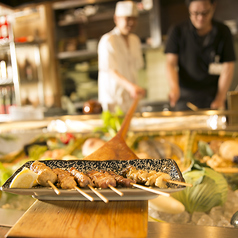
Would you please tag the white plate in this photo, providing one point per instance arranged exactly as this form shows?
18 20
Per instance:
44 193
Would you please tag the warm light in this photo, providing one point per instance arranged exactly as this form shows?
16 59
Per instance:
58 126
86 109
212 122
215 121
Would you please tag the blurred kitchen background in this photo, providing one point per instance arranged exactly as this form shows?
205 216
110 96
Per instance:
48 52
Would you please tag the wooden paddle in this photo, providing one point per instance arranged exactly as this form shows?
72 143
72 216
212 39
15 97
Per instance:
116 148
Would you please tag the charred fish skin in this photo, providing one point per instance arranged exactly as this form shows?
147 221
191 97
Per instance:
82 179
65 179
101 180
121 181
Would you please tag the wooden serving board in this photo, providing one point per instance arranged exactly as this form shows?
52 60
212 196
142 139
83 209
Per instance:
83 219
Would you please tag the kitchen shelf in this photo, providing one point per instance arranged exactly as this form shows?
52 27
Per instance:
71 4
30 43
4 44
6 81
108 15
77 54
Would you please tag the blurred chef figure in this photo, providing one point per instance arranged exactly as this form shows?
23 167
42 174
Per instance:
119 59
199 59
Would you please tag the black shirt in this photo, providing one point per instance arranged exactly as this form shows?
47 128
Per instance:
195 53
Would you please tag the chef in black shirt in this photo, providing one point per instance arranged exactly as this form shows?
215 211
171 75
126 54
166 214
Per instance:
199 59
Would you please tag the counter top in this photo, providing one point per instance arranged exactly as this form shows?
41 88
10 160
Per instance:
169 230
98 219
166 120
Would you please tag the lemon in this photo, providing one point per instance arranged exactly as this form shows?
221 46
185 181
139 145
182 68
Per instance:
24 179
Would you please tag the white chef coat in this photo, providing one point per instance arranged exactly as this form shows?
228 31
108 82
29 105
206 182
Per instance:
114 54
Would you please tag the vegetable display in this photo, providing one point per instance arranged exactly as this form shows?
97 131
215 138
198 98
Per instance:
111 122
209 190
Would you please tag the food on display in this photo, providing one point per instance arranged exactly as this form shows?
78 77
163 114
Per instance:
24 179
219 153
102 179
209 190
69 179
65 179
151 178
91 145
163 144
229 150
166 204
121 181
45 174
82 179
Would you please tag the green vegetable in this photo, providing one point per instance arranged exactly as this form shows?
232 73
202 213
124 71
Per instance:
209 190
111 122
36 151
5 173
205 149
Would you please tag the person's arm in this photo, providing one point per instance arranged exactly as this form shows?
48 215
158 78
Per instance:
172 75
224 83
133 89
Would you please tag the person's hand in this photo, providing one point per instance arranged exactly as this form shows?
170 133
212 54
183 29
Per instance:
174 95
137 91
218 104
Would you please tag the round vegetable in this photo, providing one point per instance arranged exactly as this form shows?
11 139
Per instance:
166 204
229 149
91 145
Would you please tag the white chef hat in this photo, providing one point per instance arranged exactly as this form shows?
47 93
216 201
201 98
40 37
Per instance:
126 9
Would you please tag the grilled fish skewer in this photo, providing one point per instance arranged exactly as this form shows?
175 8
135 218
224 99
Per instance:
151 178
46 177
121 181
66 181
101 180
124 182
84 180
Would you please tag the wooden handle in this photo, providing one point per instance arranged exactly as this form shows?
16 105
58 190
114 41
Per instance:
126 123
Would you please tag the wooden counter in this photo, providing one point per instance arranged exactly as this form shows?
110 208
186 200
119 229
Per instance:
169 230
83 219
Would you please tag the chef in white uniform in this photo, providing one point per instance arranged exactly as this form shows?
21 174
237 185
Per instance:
119 59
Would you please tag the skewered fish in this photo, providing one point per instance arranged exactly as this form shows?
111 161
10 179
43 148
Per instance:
82 179
121 181
101 180
151 178
65 179
159 149
45 173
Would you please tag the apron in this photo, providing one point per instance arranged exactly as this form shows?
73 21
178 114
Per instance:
200 98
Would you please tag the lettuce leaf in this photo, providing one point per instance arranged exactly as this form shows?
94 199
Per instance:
209 190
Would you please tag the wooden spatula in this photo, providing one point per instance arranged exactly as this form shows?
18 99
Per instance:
116 148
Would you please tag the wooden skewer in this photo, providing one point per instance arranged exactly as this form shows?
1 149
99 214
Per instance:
177 182
116 190
150 190
227 170
84 194
98 194
54 188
